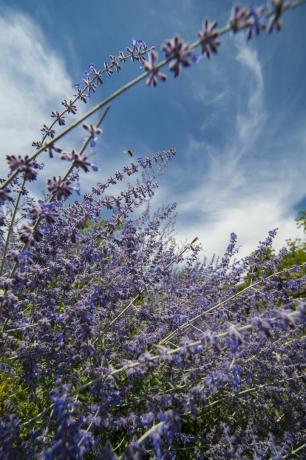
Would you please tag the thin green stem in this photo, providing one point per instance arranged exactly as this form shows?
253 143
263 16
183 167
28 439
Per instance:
295 451
38 416
10 229
149 432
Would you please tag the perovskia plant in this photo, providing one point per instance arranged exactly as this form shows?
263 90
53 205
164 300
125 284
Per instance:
109 348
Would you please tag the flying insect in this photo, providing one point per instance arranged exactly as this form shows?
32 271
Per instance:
129 152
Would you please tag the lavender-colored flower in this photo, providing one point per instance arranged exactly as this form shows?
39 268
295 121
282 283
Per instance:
93 130
179 53
51 149
27 234
89 85
108 69
239 18
10 440
44 211
37 144
200 360
14 162
278 7
235 339
209 38
150 66
138 51
255 22
107 453
59 187
81 95
97 74
23 164
48 132
60 119
115 63
80 161
70 106
247 18
5 196
2 219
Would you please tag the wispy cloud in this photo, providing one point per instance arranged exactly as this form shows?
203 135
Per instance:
243 187
33 78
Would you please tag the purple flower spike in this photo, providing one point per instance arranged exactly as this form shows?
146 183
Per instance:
180 53
69 106
97 75
149 66
115 63
59 118
89 85
92 129
59 187
255 23
275 23
51 149
22 164
5 196
80 95
37 144
247 18
27 234
208 36
107 68
239 18
80 161
48 132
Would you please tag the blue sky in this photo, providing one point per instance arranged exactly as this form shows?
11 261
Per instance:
236 121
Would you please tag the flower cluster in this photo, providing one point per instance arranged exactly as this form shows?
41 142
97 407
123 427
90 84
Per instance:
209 38
154 72
22 164
156 347
180 54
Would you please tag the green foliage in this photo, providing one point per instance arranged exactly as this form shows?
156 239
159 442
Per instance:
296 253
301 220
296 248
15 394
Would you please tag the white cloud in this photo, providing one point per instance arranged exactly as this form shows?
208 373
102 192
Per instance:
33 81
250 122
251 220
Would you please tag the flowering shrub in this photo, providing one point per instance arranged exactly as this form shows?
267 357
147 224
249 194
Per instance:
115 343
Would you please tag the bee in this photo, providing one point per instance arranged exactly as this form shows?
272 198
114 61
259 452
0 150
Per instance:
129 152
